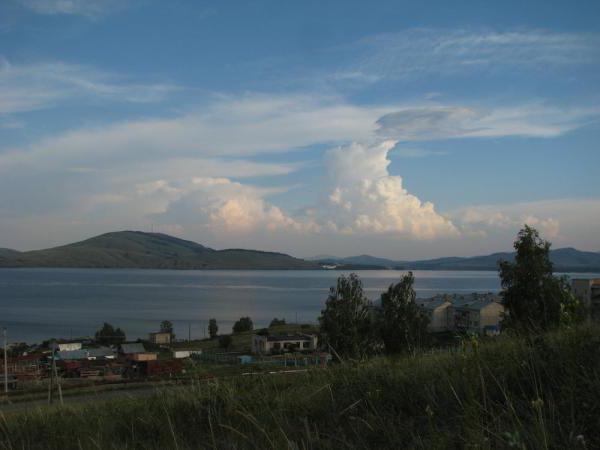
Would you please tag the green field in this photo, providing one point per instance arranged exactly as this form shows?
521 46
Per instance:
538 393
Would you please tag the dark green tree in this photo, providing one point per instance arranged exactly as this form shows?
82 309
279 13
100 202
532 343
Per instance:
403 325
166 326
345 322
213 328
277 322
535 300
244 324
108 335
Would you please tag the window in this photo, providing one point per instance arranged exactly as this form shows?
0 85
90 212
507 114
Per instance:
277 346
306 344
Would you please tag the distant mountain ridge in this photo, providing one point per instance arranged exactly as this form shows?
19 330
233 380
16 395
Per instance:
565 260
136 249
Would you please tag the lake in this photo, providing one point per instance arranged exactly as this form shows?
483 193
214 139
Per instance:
37 304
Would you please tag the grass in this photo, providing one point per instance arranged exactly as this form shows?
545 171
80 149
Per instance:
538 393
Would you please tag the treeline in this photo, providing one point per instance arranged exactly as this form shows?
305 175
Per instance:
535 301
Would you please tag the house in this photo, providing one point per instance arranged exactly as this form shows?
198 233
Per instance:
437 309
160 338
475 313
90 354
278 343
588 291
69 346
132 348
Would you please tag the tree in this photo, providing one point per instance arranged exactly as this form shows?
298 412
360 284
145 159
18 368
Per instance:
213 328
166 326
225 341
535 300
403 326
346 320
244 324
108 335
276 322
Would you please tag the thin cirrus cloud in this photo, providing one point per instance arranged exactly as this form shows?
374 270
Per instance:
87 8
421 52
30 87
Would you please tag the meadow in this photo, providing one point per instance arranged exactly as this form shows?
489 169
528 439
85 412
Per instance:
540 392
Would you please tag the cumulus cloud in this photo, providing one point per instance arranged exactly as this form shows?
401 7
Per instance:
365 198
556 219
221 205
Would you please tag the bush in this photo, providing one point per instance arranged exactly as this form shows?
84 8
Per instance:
276 322
244 324
225 341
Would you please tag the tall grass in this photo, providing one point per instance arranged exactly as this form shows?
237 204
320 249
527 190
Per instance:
535 393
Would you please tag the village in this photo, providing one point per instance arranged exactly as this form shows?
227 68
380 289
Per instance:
69 364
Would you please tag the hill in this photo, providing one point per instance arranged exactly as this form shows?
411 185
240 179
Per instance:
564 259
136 249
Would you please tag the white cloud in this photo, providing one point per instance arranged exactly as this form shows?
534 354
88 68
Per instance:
222 206
247 125
29 87
565 222
88 8
422 52
365 198
443 122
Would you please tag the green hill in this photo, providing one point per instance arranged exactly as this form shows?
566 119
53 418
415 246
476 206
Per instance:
564 260
136 249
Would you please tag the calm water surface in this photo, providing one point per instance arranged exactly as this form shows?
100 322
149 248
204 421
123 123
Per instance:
36 304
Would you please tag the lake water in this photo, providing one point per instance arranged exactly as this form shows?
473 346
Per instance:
36 304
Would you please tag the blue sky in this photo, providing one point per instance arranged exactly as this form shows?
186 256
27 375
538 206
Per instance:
401 129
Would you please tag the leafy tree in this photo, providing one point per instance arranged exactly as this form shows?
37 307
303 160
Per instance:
534 298
213 328
225 341
244 324
346 320
403 326
108 335
276 322
166 326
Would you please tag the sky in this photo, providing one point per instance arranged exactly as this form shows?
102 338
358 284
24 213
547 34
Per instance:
404 130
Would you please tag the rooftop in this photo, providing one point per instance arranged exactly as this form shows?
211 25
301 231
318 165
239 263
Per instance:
289 337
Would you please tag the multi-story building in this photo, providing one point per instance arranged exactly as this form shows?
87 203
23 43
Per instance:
588 291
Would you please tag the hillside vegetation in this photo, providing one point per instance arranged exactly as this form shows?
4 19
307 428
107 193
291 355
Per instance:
542 392
564 260
136 249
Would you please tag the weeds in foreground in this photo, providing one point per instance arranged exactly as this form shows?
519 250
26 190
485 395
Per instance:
539 393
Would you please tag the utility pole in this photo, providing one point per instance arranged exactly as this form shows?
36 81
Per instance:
54 376
189 332
5 361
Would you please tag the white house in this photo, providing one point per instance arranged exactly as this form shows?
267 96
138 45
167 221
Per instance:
437 309
477 314
284 342
69 346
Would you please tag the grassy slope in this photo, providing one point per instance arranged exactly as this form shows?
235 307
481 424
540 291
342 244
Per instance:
151 250
504 394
